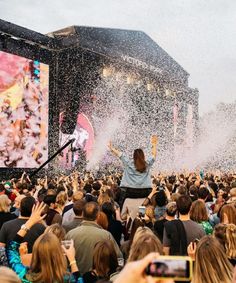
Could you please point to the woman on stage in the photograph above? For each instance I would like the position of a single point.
(136, 182)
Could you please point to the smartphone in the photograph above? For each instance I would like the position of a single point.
(178, 268)
(66, 243)
(142, 210)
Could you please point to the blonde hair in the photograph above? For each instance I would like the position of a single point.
(230, 243)
(104, 188)
(57, 230)
(4, 203)
(142, 230)
(61, 199)
(7, 275)
(143, 245)
(48, 262)
(77, 196)
(211, 264)
(150, 213)
(103, 197)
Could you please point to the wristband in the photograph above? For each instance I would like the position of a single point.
(24, 227)
(72, 262)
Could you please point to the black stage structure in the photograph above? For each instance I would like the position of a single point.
(78, 59)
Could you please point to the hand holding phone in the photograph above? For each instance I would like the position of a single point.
(66, 243)
(69, 250)
(178, 268)
(141, 211)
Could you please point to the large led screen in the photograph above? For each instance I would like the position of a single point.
(24, 88)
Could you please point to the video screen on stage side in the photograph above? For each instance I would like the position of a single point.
(24, 93)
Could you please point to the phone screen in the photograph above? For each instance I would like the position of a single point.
(142, 210)
(177, 268)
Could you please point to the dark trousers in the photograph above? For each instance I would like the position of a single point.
(132, 193)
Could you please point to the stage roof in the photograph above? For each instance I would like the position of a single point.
(134, 47)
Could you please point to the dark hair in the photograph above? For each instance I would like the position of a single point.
(161, 198)
(90, 211)
(108, 209)
(42, 191)
(78, 207)
(70, 193)
(26, 206)
(172, 179)
(139, 160)
(96, 186)
(182, 190)
(2, 188)
(193, 192)
(51, 186)
(88, 188)
(203, 193)
(48, 199)
(213, 186)
(184, 204)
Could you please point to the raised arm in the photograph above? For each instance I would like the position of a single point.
(114, 150)
(154, 141)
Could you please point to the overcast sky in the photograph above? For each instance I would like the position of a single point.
(199, 34)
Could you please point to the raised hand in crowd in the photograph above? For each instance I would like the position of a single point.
(36, 217)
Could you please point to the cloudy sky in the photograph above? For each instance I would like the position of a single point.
(199, 34)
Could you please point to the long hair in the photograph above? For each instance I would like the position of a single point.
(105, 258)
(102, 220)
(230, 244)
(145, 244)
(103, 197)
(48, 262)
(140, 231)
(61, 199)
(211, 264)
(198, 211)
(228, 214)
(139, 160)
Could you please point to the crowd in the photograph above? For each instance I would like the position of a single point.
(79, 228)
